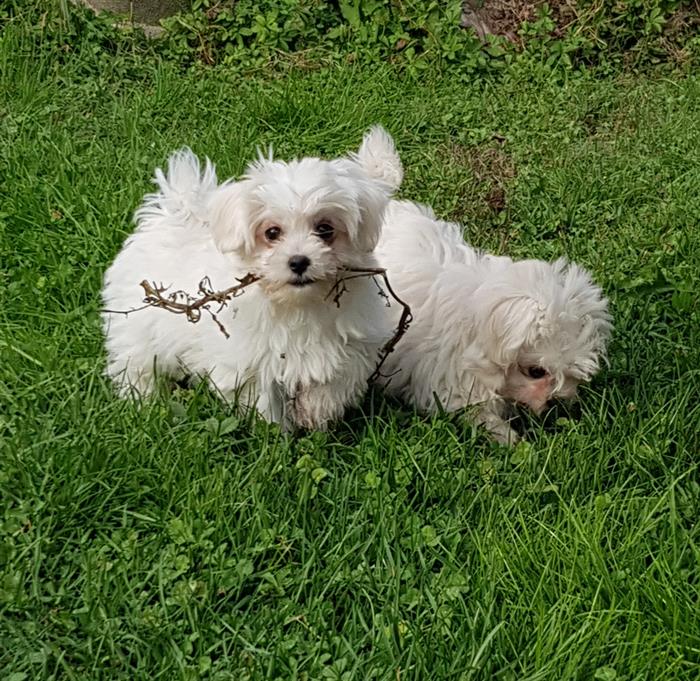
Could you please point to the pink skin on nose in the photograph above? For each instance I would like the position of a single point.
(534, 394)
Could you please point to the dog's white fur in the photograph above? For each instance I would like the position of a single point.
(294, 354)
(481, 322)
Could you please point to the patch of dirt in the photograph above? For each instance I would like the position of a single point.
(504, 17)
(491, 169)
(684, 22)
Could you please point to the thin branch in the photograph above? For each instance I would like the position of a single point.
(192, 307)
(406, 316)
(181, 302)
(401, 328)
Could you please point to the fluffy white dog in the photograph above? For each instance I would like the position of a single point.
(487, 330)
(293, 353)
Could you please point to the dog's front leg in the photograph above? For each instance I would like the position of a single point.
(490, 417)
(316, 405)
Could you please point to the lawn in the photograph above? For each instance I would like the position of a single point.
(176, 540)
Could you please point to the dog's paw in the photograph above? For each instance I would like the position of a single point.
(490, 418)
(313, 408)
(505, 435)
(307, 419)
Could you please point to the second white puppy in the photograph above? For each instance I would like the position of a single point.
(293, 353)
(487, 330)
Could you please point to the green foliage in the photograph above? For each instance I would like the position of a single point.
(253, 34)
(620, 25)
(72, 33)
(635, 32)
(415, 33)
(247, 33)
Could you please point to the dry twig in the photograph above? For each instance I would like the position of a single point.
(406, 316)
(181, 302)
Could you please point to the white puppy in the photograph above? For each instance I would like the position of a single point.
(487, 330)
(293, 353)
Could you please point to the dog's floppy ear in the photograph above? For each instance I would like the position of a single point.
(230, 219)
(372, 199)
(377, 172)
(510, 322)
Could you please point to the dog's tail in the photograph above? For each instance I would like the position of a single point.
(378, 155)
(183, 191)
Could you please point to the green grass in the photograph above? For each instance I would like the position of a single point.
(176, 540)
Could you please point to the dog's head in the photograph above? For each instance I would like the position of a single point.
(297, 224)
(546, 326)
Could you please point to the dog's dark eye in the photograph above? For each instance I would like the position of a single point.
(273, 233)
(536, 372)
(324, 231)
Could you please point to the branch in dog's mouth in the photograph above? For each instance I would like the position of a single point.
(405, 320)
(181, 302)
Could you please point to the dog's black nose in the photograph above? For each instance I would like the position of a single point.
(299, 264)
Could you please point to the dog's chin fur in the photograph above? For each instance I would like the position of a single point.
(481, 322)
(293, 353)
